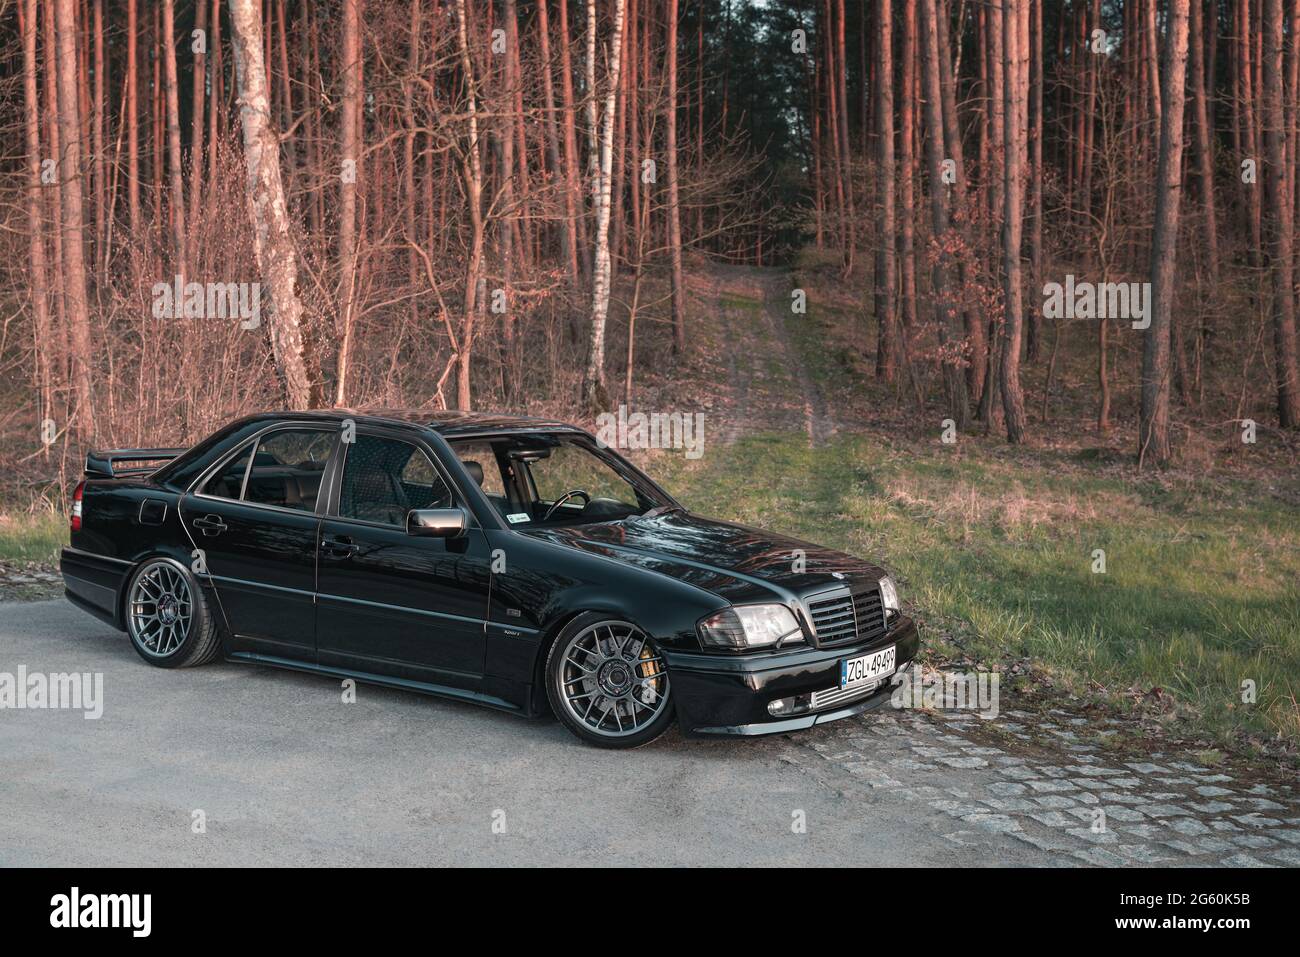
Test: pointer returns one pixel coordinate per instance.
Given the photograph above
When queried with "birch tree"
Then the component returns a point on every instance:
(674, 215)
(472, 176)
(273, 244)
(594, 392)
(350, 163)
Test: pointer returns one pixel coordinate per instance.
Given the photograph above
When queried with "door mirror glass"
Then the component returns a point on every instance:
(436, 522)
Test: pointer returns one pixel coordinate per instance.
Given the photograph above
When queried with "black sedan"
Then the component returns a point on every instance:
(508, 561)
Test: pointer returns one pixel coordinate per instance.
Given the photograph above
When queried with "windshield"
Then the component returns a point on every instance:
(559, 479)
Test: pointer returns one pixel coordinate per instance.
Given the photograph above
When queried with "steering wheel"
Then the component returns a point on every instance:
(586, 500)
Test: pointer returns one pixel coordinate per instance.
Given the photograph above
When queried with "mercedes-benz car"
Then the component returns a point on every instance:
(509, 561)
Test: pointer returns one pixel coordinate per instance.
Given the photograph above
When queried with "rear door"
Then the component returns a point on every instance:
(255, 519)
(392, 603)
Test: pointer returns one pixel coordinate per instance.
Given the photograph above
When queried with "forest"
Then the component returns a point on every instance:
(501, 204)
(977, 245)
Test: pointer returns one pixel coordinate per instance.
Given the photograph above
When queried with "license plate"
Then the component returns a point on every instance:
(866, 669)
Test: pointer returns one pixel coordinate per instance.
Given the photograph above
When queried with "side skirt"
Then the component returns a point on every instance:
(387, 681)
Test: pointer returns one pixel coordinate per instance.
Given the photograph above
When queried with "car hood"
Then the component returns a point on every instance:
(735, 562)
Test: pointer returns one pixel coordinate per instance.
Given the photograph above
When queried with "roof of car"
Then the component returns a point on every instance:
(452, 424)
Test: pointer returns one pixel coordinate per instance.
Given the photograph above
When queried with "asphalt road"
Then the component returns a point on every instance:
(285, 773)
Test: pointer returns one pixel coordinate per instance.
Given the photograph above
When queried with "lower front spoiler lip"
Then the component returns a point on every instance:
(717, 695)
(870, 703)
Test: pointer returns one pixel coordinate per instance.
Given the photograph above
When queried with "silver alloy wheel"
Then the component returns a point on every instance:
(160, 609)
(614, 683)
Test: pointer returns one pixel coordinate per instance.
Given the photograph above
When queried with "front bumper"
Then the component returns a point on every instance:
(728, 695)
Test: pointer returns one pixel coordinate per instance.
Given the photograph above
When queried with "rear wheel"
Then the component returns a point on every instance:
(607, 683)
(167, 618)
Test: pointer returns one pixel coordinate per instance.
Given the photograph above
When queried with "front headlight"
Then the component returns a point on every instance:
(889, 595)
(742, 627)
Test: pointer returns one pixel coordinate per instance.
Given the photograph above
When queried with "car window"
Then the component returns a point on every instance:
(571, 467)
(287, 468)
(228, 481)
(480, 461)
(383, 479)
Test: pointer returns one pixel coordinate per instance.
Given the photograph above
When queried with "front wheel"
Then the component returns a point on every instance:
(607, 683)
(169, 622)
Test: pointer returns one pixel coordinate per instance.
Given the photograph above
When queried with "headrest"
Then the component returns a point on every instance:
(475, 471)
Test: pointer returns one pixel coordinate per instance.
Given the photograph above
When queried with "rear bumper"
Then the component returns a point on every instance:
(94, 583)
(724, 695)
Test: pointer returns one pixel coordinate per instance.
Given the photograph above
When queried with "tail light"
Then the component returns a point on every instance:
(75, 517)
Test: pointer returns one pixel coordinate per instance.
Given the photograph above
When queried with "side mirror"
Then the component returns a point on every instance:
(436, 522)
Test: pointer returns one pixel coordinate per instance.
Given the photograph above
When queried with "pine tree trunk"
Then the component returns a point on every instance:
(1204, 136)
(508, 220)
(54, 191)
(197, 97)
(559, 169)
(572, 160)
(73, 239)
(907, 175)
(132, 117)
(1153, 428)
(944, 296)
(97, 131)
(176, 190)
(215, 90)
(972, 321)
(1279, 221)
(35, 219)
(885, 286)
(1035, 327)
(1250, 132)
(846, 156)
(1015, 79)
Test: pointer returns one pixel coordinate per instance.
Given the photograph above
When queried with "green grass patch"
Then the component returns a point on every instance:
(32, 537)
(1199, 594)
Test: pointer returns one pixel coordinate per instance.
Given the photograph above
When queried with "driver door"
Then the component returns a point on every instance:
(392, 603)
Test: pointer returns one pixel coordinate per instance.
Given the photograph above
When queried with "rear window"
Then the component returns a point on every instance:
(285, 472)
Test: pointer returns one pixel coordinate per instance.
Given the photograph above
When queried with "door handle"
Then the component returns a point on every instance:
(338, 547)
(211, 524)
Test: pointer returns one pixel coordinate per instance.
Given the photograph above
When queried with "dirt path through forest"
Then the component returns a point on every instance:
(769, 385)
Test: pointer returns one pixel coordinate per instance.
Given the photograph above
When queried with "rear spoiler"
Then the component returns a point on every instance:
(100, 464)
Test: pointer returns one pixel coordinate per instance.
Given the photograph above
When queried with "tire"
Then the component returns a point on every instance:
(607, 683)
(167, 619)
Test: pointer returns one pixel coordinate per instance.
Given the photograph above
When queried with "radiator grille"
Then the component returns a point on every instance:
(847, 614)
